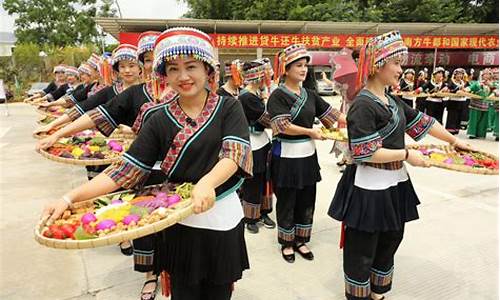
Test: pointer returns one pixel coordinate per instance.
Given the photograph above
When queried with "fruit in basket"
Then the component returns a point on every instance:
(84, 234)
(88, 218)
(173, 199)
(334, 133)
(106, 224)
(115, 146)
(131, 218)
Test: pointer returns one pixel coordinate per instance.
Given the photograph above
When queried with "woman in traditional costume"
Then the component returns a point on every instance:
(434, 105)
(201, 138)
(294, 163)
(456, 104)
(256, 193)
(375, 197)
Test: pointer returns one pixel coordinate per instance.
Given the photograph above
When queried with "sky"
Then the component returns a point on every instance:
(143, 9)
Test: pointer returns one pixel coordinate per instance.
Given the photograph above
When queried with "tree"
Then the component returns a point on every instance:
(57, 22)
(439, 11)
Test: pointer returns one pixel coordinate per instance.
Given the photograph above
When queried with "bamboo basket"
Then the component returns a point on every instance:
(411, 94)
(454, 167)
(84, 162)
(44, 112)
(42, 118)
(175, 213)
(79, 162)
(325, 132)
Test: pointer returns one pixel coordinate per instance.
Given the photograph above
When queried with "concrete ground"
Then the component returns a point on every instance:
(451, 252)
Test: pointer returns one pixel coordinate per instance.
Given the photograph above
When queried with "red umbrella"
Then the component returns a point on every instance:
(345, 71)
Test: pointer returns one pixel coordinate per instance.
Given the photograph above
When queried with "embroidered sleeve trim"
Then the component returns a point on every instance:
(74, 113)
(239, 151)
(265, 119)
(127, 174)
(363, 148)
(419, 126)
(330, 116)
(280, 123)
(102, 121)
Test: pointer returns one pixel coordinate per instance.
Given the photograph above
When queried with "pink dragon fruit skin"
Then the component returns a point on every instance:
(105, 224)
(174, 199)
(88, 218)
(131, 218)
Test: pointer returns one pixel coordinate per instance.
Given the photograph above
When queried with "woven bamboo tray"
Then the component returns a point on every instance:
(83, 162)
(476, 97)
(41, 119)
(80, 162)
(411, 94)
(455, 167)
(122, 135)
(175, 213)
(48, 113)
(326, 133)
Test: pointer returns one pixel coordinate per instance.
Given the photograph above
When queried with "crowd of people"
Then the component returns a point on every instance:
(477, 115)
(190, 130)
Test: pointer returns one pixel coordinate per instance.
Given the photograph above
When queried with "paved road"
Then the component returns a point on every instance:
(449, 253)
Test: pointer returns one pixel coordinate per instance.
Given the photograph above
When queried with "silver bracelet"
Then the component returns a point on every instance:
(67, 200)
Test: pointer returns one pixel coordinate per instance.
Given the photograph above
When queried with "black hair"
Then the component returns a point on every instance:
(310, 80)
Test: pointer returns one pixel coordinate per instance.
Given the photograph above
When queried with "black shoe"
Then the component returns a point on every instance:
(126, 251)
(471, 137)
(252, 228)
(307, 255)
(289, 258)
(496, 139)
(268, 223)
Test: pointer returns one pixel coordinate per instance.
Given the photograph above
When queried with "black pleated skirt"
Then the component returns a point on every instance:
(195, 255)
(373, 210)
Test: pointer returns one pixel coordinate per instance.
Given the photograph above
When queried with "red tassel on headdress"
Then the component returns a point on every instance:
(277, 67)
(107, 73)
(342, 236)
(236, 75)
(155, 85)
(360, 77)
(165, 284)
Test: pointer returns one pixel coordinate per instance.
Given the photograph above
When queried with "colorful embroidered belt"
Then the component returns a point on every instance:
(393, 165)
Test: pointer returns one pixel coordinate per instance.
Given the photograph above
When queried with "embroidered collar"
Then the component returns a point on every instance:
(392, 107)
(299, 102)
(189, 128)
(118, 88)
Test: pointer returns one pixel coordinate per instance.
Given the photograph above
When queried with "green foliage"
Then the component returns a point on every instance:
(440, 11)
(57, 22)
(27, 66)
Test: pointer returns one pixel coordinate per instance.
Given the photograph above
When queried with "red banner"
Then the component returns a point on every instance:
(336, 41)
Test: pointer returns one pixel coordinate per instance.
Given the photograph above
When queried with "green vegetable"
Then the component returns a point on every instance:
(140, 211)
(81, 234)
(98, 141)
(127, 197)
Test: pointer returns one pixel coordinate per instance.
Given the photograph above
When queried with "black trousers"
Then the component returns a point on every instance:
(369, 262)
(294, 213)
(144, 253)
(421, 104)
(436, 110)
(454, 115)
(202, 291)
(254, 199)
(464, 114)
